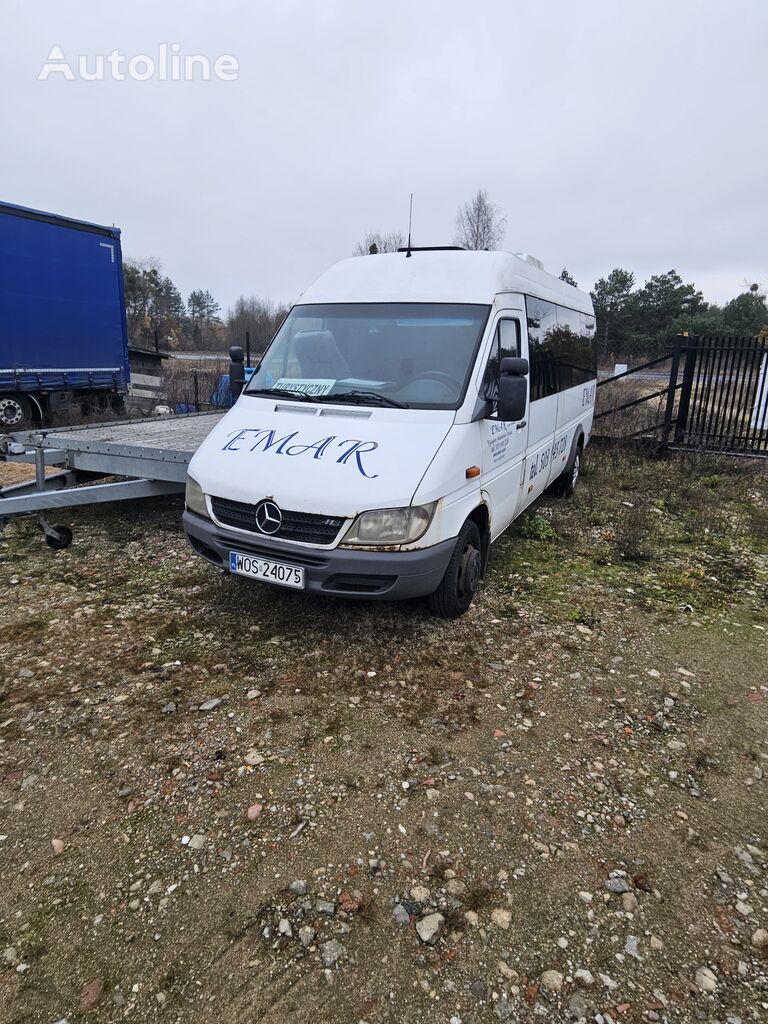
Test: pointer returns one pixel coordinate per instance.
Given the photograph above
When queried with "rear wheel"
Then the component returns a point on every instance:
(457, 587)
(565, 484)
(15, 412)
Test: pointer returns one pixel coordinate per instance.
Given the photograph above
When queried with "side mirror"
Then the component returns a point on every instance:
(514, 367)
(513, 389)
(236, 371)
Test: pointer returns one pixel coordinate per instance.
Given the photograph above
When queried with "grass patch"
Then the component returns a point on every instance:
(535, 526)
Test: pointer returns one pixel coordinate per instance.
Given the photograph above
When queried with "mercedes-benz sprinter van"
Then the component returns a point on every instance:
(408, 409)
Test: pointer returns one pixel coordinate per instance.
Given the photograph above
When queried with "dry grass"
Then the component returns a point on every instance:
(627, 422)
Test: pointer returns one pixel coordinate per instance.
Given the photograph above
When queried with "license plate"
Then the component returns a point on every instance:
(267, 570)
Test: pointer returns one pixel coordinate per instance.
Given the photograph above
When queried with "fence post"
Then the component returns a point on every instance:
(247, 348)
(669, 412)
(236, 372)
(197, 391)
(684, 405)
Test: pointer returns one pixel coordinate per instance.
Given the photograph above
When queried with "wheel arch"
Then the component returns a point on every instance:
(37, 407)
(578, 442)
(577, 445)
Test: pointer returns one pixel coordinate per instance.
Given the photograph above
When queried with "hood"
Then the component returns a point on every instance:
(340, 460)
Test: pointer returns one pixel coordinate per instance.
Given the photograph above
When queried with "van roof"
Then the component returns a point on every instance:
(440, 276)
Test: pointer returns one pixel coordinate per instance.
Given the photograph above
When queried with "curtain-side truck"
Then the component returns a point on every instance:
(63, 333)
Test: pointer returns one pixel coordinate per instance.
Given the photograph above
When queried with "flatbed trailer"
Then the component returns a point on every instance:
(152, 455)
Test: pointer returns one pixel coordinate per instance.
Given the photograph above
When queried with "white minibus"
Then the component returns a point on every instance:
(409, 408)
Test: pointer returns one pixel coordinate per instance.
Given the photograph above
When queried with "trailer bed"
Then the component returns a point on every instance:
(152, 455)
(160, 448)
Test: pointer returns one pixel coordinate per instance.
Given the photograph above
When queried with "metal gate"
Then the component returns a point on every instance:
(710, 393)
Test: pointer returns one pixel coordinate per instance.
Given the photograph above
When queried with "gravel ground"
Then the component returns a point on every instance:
(220, 801)
(20, 472)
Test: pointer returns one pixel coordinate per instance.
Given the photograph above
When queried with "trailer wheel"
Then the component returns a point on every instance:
(457, 588)
(61, 538)
(15, 411)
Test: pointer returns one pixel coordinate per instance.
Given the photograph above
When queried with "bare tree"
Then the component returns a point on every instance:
(376, 242)
(479, 223)
(260, 317)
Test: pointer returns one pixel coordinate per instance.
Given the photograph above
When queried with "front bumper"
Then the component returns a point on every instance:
(341, 572)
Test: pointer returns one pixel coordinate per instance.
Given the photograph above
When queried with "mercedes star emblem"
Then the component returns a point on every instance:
(269, 518)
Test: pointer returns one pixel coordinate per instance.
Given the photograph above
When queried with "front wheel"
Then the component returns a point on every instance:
(457, 587)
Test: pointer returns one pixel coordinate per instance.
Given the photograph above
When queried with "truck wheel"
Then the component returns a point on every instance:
(15, 412)
(457, 588)
(565, 484)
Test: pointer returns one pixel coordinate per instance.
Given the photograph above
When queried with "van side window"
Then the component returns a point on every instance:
(574, 351)
(506, 342)
(561, 347)
(542, 324)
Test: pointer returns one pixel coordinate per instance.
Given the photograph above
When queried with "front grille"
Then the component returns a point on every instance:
(307, 527)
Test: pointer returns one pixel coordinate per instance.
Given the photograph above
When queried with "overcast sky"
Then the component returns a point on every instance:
(630, 134)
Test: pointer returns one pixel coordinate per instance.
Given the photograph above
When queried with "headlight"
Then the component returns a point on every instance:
(194, 498)
(390, 526)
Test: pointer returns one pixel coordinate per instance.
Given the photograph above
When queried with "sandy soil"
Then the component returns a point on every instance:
(223, 802)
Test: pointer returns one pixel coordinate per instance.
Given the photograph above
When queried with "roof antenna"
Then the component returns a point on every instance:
(408, 252)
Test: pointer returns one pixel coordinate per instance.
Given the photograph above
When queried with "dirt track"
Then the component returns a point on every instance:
(572, 776)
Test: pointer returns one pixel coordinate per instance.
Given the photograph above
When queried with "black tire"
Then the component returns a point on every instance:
(565, 484)
(15, 412)
(62, 539)
(457, 587)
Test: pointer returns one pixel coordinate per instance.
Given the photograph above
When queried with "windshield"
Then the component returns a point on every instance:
(414, 355)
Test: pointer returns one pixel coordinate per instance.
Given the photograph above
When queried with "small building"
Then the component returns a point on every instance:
(147, 387)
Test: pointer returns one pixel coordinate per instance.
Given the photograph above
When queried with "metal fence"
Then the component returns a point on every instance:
(190, 388)
(708, 393)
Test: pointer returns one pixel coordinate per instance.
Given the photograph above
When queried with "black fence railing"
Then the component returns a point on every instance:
(709, 393)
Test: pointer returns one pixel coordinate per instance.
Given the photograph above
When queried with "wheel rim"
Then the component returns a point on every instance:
(576, 469)
(469, 572)
(11, 412)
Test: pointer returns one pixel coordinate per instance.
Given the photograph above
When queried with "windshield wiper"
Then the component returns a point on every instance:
(301, 396)
(361, 397)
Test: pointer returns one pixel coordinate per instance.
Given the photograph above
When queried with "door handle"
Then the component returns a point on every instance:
(521, 424)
